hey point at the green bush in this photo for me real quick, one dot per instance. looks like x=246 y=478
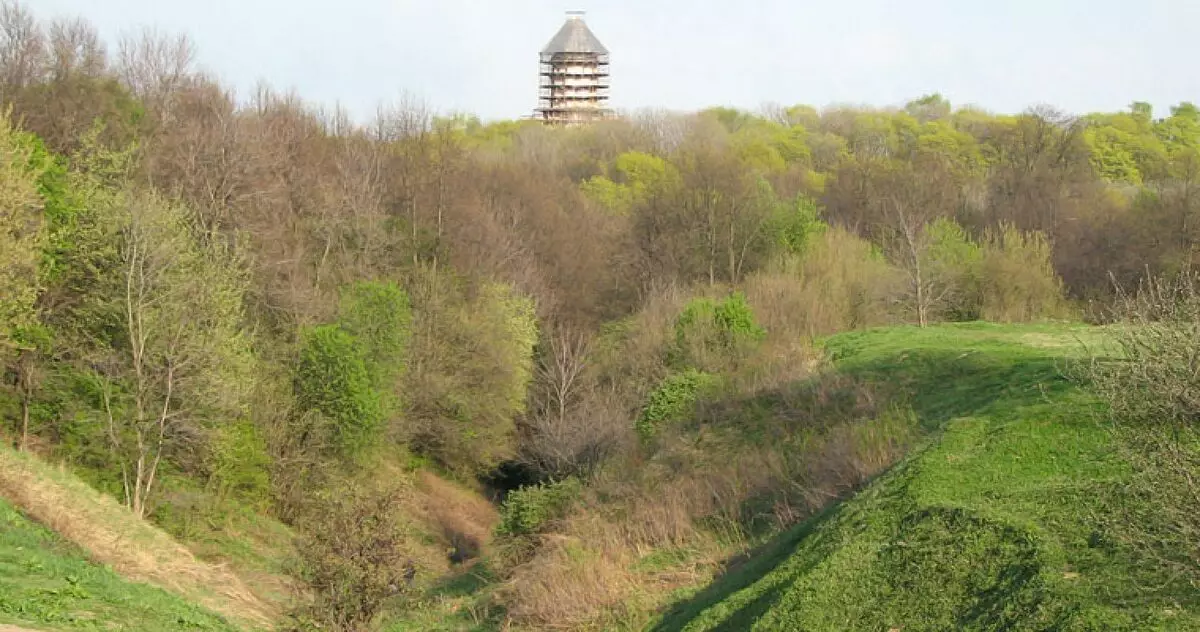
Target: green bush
x=378 y=315
x=955 y=263
x=798 y=225
x=240 y=465
x=672 y=400
x=714 y=335
x=332 y=379
x=530 y=509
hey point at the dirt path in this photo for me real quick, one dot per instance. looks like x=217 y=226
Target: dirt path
x=13 y=628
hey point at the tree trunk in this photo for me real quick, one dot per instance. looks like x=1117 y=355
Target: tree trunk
x=23 y=445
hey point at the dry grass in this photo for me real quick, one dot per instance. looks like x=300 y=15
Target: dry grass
x=462 y=518
x=111 y=535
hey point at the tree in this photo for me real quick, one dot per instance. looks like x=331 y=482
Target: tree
x=895 y=202
x=22 y=49
x=931 y=107
x=472 y=365
x=171 y=354
x=21 y=231
x=954 y=264
x=333 y=382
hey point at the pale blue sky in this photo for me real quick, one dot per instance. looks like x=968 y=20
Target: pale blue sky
x=481 y=56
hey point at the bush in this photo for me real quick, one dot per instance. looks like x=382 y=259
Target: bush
x=840 y=283
x=529 y=510
x=714 y=335
x=240 y=465
x=1153 y=391
x=332 y=379
x=672 y=400
x=354 y=555
x=1019 y=283
x=955 y=264
x=379 y=317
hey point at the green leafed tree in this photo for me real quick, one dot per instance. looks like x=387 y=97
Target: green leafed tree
x=172 y=358
x=334 y=383
x=378 y=315
x=472 y=366
x=22 y=232
x=954 y=262
x=637 y=176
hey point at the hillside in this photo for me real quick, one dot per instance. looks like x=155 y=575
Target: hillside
x=47 y=583
x=993 y=524
x=88 y=563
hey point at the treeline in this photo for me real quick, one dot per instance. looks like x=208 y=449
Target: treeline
x=261 y=298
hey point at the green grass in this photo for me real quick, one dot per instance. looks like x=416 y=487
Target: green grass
x=46 y=583
x=991 y=525
x=459 y=602
x=259 y=548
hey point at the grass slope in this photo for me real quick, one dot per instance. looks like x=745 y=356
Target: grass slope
x=990 y=526
x=109 y=534
x=48 y=584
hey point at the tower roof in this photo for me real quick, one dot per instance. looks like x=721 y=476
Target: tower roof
x=574 y=37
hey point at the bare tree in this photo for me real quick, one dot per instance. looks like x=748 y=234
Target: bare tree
x=902 y=202
x=75 y=49
x=22 y=49
x=560 y=371
x=156 y=67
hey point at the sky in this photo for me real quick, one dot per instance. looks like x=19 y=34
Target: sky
x=480 y=56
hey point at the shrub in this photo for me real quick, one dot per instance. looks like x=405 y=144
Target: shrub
x=1153 y=391
x=354 y=555
x=1019 y=283
x=240 y=465
x=798 y=226
x=712 y=335
x=378 y=315
x=529 y=510
x=840 y=282
x=954 y=263
x=672 y=400
x=332 y=379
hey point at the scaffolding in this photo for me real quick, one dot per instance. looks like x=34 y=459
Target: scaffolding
x=574 y=76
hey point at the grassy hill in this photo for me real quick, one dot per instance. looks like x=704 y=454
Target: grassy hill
x=994 y=524
x=88 y=563
x=49 y=584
